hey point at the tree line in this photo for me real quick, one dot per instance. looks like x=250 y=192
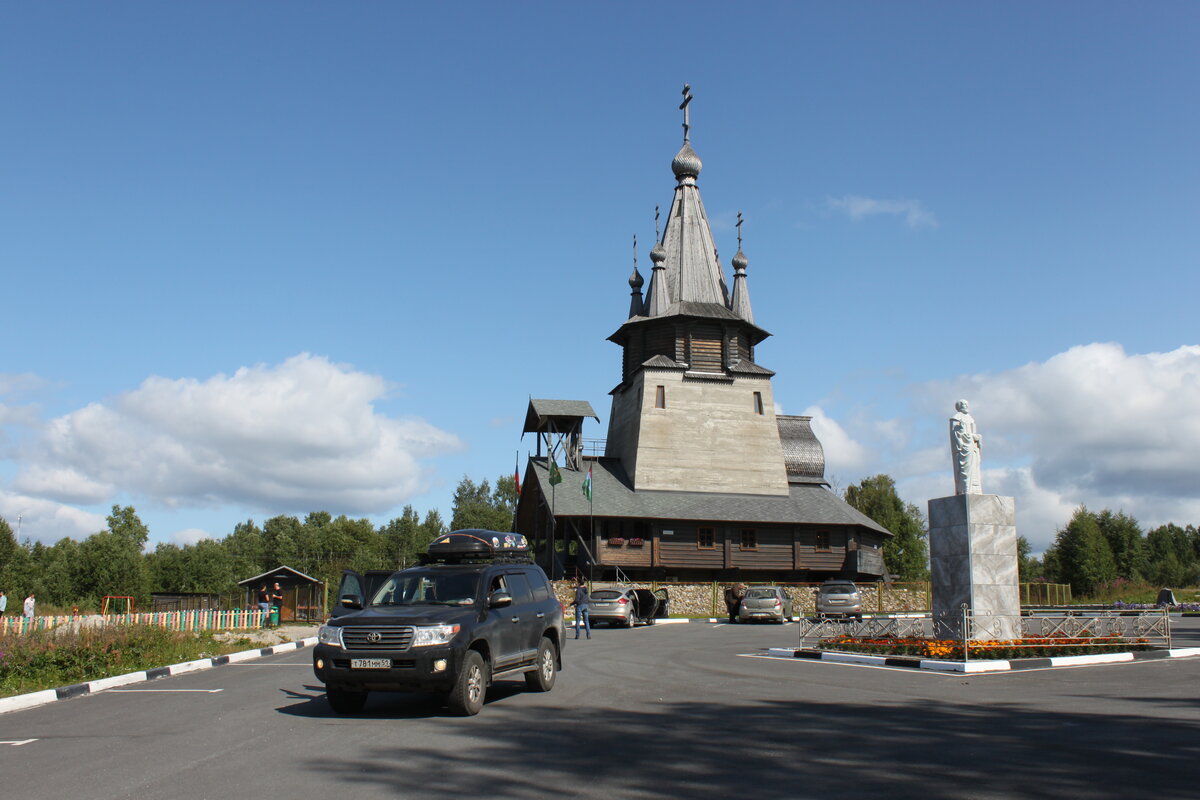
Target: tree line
x=1093 y=550
x=1098 y=549
x=115 y=561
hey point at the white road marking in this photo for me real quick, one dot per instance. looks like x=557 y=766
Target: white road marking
x=16 y=742
x=163 y=691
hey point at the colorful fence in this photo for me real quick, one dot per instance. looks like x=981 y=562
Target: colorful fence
x=199 y=620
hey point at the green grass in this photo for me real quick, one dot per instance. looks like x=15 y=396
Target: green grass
x=1129 y=592
x=50 y=659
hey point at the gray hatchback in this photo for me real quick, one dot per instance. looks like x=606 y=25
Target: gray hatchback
x=839 y=599
x=765 y=603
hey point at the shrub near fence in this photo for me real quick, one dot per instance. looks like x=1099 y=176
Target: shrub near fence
x=203 y=620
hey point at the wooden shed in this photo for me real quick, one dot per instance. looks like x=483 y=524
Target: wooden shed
x=303 y=596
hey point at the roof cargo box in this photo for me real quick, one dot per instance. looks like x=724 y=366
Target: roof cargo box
x=474 y=544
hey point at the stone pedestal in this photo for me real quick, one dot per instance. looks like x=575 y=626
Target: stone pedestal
x=973 y=560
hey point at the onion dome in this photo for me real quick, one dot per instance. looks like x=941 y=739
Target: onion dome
x=659 y=254
x=686 y=163
x=740 y=262
x=635 y=280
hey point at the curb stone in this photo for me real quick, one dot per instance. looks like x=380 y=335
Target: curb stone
x=33 y=699
x=914 y=662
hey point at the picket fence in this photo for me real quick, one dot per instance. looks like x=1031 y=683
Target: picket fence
x=199 y=620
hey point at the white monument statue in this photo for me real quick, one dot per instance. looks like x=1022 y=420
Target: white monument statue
x=966 y=447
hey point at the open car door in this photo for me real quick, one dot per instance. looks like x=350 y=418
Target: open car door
x=647 y=606
x=353 y=590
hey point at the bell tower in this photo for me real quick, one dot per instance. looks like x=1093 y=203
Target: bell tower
x=693 y=411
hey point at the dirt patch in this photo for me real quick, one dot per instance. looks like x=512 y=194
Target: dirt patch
x=265 y=637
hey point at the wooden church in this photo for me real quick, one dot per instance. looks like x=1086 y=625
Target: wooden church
x=699 y=477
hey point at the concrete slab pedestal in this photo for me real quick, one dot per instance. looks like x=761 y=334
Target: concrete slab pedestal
x=973 y=561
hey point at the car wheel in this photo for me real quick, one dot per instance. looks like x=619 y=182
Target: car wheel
x=343 y=701
x=542 y=678
x=466 y=698
x=629 y=621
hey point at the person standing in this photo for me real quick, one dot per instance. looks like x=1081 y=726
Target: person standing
x=581 y=609
x=3 y=602
x=29 y=606
x=733 y=600
x=277 y=600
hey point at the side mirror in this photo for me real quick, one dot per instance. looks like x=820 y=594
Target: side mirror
x=350 y=601
x=500 y=599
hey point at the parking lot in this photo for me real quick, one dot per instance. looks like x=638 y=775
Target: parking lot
x=690 y=710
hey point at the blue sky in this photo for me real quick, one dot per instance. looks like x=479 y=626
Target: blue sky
x=268 y=258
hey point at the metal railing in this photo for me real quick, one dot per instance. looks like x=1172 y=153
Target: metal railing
x=961 y=636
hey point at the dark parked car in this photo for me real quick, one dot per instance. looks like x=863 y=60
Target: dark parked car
x=477 y=609
x=839 y=599
x=627 y=606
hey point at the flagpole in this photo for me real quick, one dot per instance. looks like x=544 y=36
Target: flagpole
x=591 y=528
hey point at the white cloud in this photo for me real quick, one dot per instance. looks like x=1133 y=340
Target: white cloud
x=1097 y=421
x=46 y=521
x=842 y=453
x=189 y=536
x=1094 y=426
x=858 y=208
x=297 y=436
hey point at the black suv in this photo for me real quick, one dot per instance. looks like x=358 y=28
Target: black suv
x=476 y=609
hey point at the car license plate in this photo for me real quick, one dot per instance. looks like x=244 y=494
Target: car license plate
x=370 y=663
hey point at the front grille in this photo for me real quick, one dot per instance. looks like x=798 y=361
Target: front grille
x=397 y=637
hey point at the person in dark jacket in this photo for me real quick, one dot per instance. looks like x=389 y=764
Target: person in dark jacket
x=733 y=600
x=581 y=609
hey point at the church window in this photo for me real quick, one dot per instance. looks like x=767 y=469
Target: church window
x=749 y=539
x=758 y=406
x=706 y=538
x=660 y=397
x=823 y=541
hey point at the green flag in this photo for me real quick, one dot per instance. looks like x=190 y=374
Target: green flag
x=555 y=475
x=587 y=485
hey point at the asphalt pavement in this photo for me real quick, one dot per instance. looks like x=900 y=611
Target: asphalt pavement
x=667 y=711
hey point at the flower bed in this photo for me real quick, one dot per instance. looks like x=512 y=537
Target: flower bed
x=1029 y=647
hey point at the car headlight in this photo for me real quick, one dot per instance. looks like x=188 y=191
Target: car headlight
x=426 y=635
x=331 y=635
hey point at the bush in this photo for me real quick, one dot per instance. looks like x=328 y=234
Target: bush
x=61 y=657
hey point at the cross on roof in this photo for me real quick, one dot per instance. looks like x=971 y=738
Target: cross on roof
x=739 y=227
x=687 y=98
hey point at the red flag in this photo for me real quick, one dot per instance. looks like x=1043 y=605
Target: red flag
x=517 y=474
